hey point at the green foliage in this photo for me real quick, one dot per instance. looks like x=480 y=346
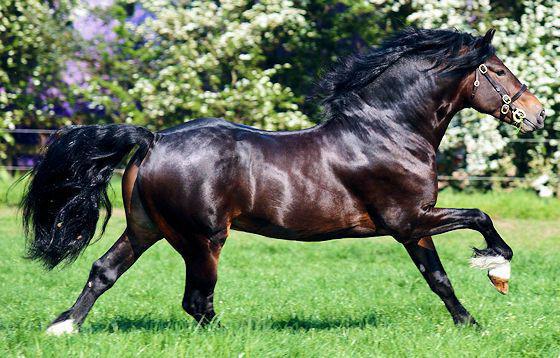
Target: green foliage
x=201 y=60
x=33 y=43
x=256 y=62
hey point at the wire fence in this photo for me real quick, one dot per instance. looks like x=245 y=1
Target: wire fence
x=29 y=131
x=440 y=177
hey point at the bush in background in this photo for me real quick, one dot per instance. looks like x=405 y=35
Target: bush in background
x=162 y=62
x=34 y=43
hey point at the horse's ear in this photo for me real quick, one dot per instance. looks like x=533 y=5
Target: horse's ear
x=489 y=36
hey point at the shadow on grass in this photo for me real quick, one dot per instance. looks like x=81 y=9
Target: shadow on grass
x=131 y=324
x=306 y=324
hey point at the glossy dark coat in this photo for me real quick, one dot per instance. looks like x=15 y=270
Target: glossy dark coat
x=369 y=170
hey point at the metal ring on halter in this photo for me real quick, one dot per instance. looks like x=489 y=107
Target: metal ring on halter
x=518 y=115
x=476 y=83
x=505 y=108
x=482 y=68
x=506 y=99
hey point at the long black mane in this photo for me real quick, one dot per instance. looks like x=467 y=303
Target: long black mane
x=452 y=51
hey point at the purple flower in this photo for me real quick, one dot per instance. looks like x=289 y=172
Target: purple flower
x=53 y=92
x=75 y=73
x=108 y=34
x=30 y=86
x=99 y=3
x=140 y=15
x=67 y=109
x=91 y=27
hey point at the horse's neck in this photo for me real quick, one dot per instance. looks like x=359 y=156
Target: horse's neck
x=424 y=113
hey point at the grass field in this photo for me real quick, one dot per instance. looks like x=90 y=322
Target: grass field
x=357 y=297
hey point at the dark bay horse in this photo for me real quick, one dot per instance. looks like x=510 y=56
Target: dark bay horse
x=368 y=170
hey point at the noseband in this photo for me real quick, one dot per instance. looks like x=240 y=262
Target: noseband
x=507 y=101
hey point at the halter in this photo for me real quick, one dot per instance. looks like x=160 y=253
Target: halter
x=507 y=101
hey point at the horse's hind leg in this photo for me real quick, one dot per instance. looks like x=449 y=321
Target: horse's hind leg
x=139 y=235
x=424 y=255
x=104 y=273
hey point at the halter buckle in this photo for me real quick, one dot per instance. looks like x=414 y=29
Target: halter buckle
x=504 y=109
x=506 y=99
x=482 y=68
x=476 y=83
x=518 y=115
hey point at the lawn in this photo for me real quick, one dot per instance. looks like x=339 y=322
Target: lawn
x=356 y=297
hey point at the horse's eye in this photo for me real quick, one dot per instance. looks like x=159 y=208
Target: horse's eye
x=500 y=72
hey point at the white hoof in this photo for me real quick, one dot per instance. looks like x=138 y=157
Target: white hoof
x=60 y=328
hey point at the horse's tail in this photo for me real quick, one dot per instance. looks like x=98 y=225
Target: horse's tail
x=69 y=185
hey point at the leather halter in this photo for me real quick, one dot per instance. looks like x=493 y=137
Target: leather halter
x=518 y=115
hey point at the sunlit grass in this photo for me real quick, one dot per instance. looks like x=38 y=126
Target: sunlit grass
x=357 y=297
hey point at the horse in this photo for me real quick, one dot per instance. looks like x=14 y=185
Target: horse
x=369 y=169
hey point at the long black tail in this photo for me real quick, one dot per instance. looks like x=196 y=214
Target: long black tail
x=69 y=185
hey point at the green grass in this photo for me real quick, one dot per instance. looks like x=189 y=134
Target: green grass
x=515 y=204
x=356 y=297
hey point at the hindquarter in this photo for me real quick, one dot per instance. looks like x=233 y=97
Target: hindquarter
x=187 y=182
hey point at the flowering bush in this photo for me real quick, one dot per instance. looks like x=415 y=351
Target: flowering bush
x=530 y=47
x=163 y=62
x=31 y=51
x=175 y=63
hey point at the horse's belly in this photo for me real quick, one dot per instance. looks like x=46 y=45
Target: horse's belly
x=310 y=228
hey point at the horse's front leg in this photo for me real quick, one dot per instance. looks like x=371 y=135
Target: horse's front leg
x=424 y=255
x=201 y=255
x=430 y=221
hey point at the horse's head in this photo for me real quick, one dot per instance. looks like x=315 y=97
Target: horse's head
x=494 y=89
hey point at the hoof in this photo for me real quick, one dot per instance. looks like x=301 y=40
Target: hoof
x=62 y=327
x=465 y=321
x=500 y=284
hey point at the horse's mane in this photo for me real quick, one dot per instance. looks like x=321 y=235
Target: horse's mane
x=451 y=51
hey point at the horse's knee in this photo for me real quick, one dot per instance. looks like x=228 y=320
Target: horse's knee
x=196 y=302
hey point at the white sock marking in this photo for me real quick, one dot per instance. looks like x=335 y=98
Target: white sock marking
x=497 y=266
x=64 y=327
